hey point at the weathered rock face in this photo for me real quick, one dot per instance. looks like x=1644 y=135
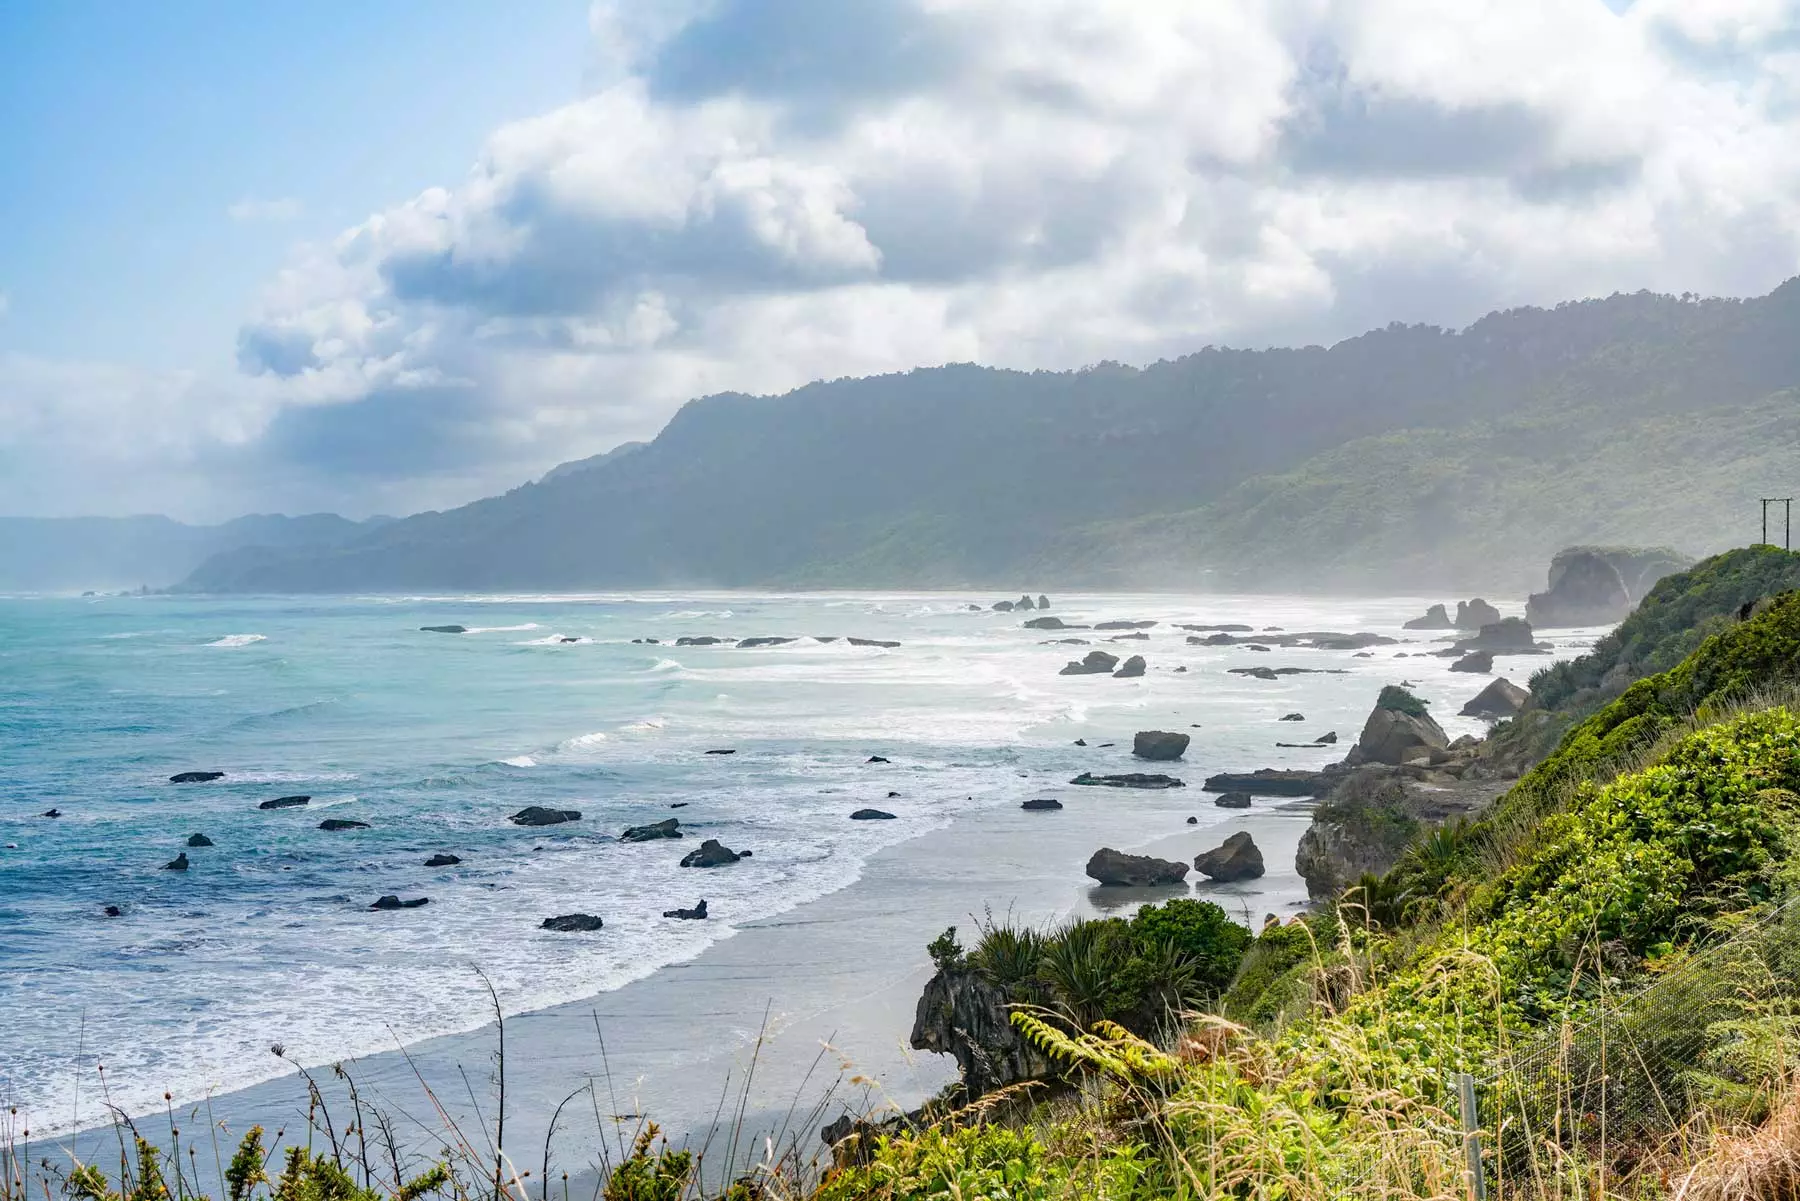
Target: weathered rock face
x=752 y=643
x=1116 y=868
x=1130 y=669
x=1159 y=745
x=963 y=1014
x=538 y=815
x=1024 y=602
x=884 y=643
x=669 y=827
x=1435 y=619
x=1365 y=828
x=1473 y=614
x=572 y=923
x=1092 y=664
x=1598 y=585
x=1390 y=736
x=1477 y=662
x=1508 y=636
x=1131 y=779
x=1326 y=739
x=711 y=853
x=1237 y=858
x=1269 y=781
x=1502 y=698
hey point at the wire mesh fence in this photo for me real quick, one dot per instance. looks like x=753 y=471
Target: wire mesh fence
x=1649 y=1071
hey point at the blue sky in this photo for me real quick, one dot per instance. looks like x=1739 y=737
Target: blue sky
x=383 y=257
x=130 y=130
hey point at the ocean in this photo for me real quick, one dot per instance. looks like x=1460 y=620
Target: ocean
x=434 y=739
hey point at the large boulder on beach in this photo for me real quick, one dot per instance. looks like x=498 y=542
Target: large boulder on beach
x=669 y=827
x=540 y=815
x=1237 y=858
x=1500 y=699
x=1092 y=664
x=1476 y=662
x=1159 y=745
x=1435 y=619
x=572 y=923
x=1473 y=614
x=195 y=777
x=1130 y=669
x=1399 y=730
x=1232 y=800
x=711 y=853
x=1117 y=869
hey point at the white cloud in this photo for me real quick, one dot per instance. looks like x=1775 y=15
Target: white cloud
x=249 y=209
x=762 y=192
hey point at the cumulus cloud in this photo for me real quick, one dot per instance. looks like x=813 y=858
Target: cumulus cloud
x=761 y=192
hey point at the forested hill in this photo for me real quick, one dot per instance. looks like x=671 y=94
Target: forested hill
x=967 y=475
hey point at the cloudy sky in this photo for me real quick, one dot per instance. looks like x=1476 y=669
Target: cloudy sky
x=376 y=258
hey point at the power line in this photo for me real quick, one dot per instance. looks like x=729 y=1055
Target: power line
x=1787 y=535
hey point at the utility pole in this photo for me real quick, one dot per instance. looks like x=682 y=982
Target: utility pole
x=1787 y=507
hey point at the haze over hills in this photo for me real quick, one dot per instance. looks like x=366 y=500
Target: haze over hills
x=1408 y=456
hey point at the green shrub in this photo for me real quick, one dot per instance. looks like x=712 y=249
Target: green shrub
x=945 y=951
x=1400 y=700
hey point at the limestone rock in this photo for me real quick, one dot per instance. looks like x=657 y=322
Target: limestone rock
x=1435 y=619
x=1473 y=614
x=963 y=1014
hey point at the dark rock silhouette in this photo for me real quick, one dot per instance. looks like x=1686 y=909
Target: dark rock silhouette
x=1237 y=858
x=1500 y=699
x=1435 y=619
x=113 y=911
x=572 y=923
x=1130 y=669
x=199 y=840
x=1232 y=800
x=1475 y=662
x=539 y=815
x=1294 y=717
x=1473 y=614
x=195 y=777
x=1042 y=804
x=669 y=827
x=724 y=751
x=285 y=802
x=390 y=901
x=443 y=860
x=1091 y=664
x=871 y=815
x=1132 y=779
x=444 y=629
x=1117 y=869
x=1269 y=781
x=51 y=813
x=177 y=864
x=342 y=823
x=696 y=914
x=711 y=853
x=1159 y=745
x=875 y=759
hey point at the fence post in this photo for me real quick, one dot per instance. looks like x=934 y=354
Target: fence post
x=1471 y=1129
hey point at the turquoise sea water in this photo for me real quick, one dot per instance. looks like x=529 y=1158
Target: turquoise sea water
x=434 y=739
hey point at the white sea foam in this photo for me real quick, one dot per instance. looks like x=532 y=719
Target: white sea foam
x=665 y=665
x=238 y=640
x=584 y=741
x=529 y=625
x=553 y=640
x=520 y=761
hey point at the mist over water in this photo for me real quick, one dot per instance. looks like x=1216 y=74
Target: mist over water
x=434 y=739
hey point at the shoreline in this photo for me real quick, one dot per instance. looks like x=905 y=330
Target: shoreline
x=836 y=980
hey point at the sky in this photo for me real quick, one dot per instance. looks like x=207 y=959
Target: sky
x=387 y=257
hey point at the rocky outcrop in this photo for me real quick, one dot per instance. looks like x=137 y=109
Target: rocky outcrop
x=1094 y=663
x=199 y=840
x=1326 y=739
x=342 y=823
x=1269 y=781
x=444 y=629
x=963 y=1014
x=1117 y=869
x=1041 y=805
x=711 y=853
x=1501 y=699
x=669 y=827
x=1130 y=669
x=752 y=643
x=724 y=750
x=177 y=864
x=195 y=777
x=1159 y=745
x=1043 y=603
x=1123 y=625
x=1004 y=606
x=702 y=640
x=1477 y=662
x=884 y=643
x=1435 y=619
x=1508 y=636
x=286 y=802
x=1293 y=717
x=1473 y=614
x=572 y=923
x=1363 y=828
x=1237 y=858
x=1232 y=800
x=1598 y=585
x=1399 y=730
x=390 y=901
x=1130 y=779
x=539 y=815
x=871 y=815
x=696 y=914
x=443 y=860
x=1050 y=623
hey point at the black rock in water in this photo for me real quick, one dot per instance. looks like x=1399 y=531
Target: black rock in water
x=711 y=853
x=1081 y=742
x=342 y=823
x=199 y=840
x=285 y=802
x=679 y=804
x=1048 y=623
x=444 y=629
x=568 y=638
x=871 y=815
x=572 y=923
x=390 y=901
x=1043 y=602
x=443 y=860
x=1042 y=804
x=872 y=642
x=1130 y=669
x=1193 y=821
x=892 y=795
x=724 y=751
x=539 y=815
x=702 y=640
x=195 y=777
x=696 y=914
x=177 y=864
x=1269 y=781
x=1477 y=662
x=1092 y=664
x=1123 y=625
x=748 y=643
x=113 y=911
x=1159 y=745
x=669 y=827
x=874 y=759
x=1294 y=717
x=1129 y=780
x=51 y=813
x=1232 y=800
x=1326 y=739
